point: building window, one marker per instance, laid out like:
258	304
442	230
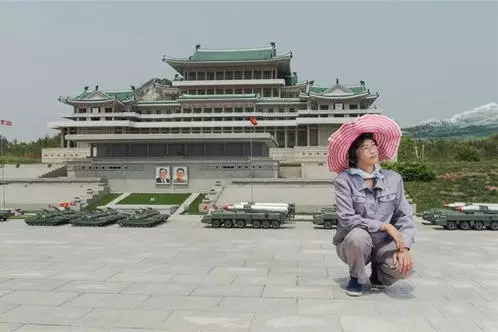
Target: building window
248	75
201	76
219	75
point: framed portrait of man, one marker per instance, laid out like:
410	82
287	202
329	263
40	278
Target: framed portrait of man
180	175
162	175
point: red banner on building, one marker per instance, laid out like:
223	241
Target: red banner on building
253	121
6	123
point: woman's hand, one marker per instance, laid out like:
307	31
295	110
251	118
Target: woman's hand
395	234
403	261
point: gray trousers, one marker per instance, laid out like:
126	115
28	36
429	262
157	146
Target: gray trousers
357	250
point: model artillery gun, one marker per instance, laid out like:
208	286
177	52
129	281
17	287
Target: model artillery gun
472	216
143	218
242	218
327	217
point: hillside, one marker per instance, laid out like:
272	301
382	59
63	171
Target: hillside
478	122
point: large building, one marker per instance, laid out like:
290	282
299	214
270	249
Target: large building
221	108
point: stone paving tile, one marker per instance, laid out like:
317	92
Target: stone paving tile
44	315
194	321
8	327
37	298
191	278
58	328
32	284
93	287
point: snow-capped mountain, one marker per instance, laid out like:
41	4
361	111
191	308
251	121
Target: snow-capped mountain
478	122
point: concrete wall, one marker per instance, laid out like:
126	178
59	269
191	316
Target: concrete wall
29	195
316	171
145	169
63	155
149	186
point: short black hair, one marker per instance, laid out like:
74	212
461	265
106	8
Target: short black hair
352	158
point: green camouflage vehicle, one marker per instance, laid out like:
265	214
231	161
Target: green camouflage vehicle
466	220
51	218
5	214
240	219
431	214
98	218
143	218
327	217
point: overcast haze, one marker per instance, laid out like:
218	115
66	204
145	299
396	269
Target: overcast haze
426	60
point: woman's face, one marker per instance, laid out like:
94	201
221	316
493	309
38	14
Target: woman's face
367	153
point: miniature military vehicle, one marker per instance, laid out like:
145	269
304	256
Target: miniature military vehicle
5	214
471	216
288	209
143	218
51	218
327	217
241	218
98	218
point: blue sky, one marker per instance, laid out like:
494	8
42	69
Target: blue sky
426	59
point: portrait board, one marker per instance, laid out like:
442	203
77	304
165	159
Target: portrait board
162	176
180	175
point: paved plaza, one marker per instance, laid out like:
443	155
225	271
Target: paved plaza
183	276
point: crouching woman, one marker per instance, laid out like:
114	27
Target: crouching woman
376	223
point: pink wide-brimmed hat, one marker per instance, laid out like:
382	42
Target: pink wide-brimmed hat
385	131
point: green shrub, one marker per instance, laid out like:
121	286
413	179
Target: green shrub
412	171
467	154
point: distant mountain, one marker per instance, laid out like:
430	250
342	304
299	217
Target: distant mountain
478	122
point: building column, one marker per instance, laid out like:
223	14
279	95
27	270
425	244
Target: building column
307	135
62	139
286	145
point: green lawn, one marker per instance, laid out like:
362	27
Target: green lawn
103	201
456	181
193	208
157	199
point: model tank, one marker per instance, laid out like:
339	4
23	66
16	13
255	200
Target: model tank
5	214
51	218
98	218
327	217
475	217
143	218
242	218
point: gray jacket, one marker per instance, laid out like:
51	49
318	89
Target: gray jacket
368	208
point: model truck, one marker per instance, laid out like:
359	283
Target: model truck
327	217
474	216
289	209
242	218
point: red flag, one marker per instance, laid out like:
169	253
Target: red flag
253	121
5	123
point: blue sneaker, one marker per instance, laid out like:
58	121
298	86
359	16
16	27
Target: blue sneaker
354	288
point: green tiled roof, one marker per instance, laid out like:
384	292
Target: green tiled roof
357	89
233	55
354	89
318	89
121	95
